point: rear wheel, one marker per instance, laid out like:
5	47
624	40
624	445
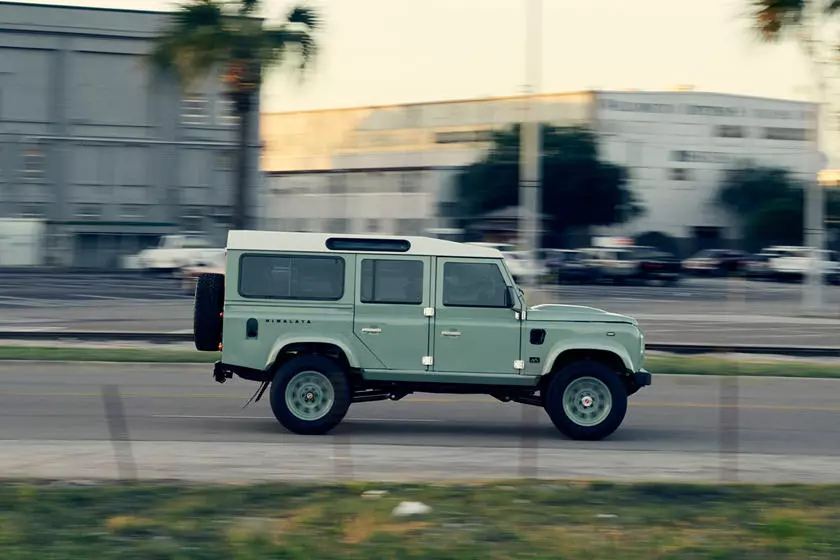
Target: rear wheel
207	320
586	400
310	395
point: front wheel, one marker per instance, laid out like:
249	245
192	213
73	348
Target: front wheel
310	395
586	400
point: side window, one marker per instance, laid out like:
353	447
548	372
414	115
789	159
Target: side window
291	277
392	281
473	285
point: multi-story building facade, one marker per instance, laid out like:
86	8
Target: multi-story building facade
95	142
393	169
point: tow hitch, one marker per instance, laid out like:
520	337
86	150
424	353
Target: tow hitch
220	374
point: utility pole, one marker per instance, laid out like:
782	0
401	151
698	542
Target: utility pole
814	233
530	225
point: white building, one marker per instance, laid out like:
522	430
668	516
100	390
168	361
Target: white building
392	169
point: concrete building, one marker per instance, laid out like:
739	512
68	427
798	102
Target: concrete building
392	169
92	140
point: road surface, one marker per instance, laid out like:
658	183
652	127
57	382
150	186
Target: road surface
181	424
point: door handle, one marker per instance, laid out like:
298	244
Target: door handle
450	333
371	330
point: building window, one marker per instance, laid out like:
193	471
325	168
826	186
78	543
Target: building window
300	278
89	211
730	131
448	209
300	225
473	285
33	210
192	218
34	162
222	215
225	160
398	282
409	226
194	110
679	174
133	212
464	137
337	184
337	225
794	134
227	113
410	182
372	225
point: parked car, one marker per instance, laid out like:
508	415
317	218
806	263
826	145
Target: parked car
568	266
654	265
637	264
758	267
716	262
175	252
324	322
524	269
792	263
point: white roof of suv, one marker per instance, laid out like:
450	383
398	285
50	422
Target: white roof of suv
248	240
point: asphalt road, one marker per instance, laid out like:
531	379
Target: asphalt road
182	424
698	311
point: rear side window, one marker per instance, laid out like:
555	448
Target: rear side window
392	281
291	277
473	285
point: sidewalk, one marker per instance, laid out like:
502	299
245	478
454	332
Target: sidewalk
331	460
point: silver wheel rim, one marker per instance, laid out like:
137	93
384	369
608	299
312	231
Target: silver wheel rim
587	401
309	395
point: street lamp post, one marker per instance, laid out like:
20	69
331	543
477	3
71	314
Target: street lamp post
530	138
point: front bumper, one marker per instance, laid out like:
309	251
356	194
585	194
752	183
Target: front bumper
643	378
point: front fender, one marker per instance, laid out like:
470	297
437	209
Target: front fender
285	341
569	345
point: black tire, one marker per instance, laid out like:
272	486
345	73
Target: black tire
207	320
557	388
341	394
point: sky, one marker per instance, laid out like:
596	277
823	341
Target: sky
385	51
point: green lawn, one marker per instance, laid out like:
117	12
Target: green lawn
695	365
533	520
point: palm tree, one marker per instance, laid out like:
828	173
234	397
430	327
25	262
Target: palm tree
776	19
209	36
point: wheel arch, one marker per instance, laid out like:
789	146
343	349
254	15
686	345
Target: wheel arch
286	349
614	357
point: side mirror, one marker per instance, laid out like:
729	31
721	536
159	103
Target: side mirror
512	299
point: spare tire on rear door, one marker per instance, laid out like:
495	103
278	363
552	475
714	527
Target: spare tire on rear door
207	319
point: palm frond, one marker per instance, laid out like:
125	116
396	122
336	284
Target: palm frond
284	44
197	14
308	17
832	7
248	7
774	18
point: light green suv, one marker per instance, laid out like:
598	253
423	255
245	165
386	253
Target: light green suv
327	321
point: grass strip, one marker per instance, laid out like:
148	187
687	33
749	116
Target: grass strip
537	520
686	365
77	354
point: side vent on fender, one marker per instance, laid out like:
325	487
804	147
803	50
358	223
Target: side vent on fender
537	336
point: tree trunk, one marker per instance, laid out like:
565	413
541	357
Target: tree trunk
243	104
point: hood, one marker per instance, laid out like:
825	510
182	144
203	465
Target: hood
576	313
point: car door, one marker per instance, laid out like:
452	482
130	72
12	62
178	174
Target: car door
474	329
391	295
